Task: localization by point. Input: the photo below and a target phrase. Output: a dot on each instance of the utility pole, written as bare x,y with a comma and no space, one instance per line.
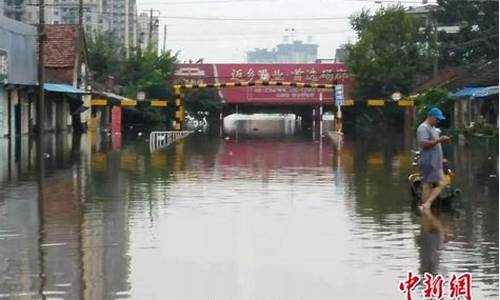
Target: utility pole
435,57
435,62
40,116
80,14
164,37
150,26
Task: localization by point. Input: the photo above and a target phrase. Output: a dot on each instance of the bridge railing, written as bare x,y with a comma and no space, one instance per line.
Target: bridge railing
162,139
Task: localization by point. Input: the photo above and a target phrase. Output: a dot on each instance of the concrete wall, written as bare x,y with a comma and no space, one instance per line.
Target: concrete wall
20,98
3,112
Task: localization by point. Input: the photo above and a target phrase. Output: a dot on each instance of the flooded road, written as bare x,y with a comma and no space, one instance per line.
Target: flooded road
265,214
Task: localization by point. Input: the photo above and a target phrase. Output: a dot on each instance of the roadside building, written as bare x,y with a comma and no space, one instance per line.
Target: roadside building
66,78
473,92
475,97
108,108
18,77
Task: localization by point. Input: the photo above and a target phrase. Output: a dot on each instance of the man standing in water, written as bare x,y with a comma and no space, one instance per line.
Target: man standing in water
431,157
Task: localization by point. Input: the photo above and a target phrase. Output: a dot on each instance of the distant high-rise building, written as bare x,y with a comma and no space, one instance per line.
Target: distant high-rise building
263,56
147,26
295,52
340,54
118,16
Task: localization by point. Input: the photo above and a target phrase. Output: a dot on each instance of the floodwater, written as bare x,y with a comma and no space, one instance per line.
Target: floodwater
271,212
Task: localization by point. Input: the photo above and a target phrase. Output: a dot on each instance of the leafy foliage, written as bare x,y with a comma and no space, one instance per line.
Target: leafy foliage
390,50
148,72
433,98
203,100
144,71
477,39
106,55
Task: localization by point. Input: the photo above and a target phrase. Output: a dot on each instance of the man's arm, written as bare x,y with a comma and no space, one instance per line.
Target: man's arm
429,143
424,141
426,144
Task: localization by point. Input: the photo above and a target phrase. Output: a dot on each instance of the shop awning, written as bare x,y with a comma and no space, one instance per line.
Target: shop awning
477,92
487,91
467,92
112,95
62,88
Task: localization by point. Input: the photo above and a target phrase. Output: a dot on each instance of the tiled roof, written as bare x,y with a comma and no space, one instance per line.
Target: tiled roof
60,46
445,76
454,78
482,75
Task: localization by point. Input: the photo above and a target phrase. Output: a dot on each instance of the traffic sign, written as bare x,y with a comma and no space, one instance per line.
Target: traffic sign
339,94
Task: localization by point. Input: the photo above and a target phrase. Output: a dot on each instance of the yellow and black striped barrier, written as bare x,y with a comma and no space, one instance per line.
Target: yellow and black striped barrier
179,96
348,102
128,102
159,103
406,102
376,102
253,83
179,108
98,102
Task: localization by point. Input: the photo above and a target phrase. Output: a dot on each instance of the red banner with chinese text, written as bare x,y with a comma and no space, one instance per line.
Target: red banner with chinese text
308,73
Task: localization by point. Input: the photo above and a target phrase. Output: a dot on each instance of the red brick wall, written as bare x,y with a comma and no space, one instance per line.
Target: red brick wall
59,75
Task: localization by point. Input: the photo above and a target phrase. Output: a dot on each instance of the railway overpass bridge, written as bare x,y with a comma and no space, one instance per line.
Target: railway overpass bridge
288,88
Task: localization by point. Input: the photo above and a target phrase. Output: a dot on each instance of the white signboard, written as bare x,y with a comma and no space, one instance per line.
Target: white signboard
339,94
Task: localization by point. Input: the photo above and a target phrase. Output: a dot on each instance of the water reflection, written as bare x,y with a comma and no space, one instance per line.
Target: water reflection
262,215
432,235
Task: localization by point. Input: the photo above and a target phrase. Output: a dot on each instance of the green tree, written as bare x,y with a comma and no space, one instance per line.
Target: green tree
149,72
206,100
477,38
434,98
389,51
141,71
105,55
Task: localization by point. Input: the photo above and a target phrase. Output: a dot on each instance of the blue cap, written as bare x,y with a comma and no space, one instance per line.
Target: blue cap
436,113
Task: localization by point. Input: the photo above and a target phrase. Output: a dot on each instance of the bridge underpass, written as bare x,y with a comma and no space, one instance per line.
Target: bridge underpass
305,90
267,88
306,113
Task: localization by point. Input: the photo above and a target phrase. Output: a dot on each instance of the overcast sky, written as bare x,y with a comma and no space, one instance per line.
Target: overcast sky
324,22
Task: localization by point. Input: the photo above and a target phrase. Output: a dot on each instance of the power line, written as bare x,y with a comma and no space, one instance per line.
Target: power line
243,37
246,1
218,18
255,19
203,2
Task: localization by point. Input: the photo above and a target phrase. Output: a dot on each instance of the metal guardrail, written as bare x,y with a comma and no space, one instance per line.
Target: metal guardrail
162,139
